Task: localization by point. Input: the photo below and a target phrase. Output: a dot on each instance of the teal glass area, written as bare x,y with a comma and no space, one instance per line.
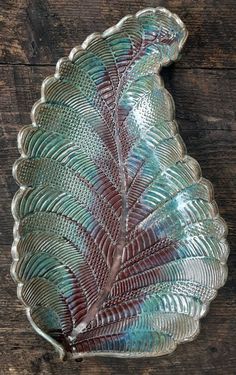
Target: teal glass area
118,243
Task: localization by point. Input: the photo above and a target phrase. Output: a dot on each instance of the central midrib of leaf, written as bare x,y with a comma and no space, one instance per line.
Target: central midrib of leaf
121,243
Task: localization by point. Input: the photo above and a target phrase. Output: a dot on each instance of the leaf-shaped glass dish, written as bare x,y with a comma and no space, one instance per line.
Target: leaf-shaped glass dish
119,247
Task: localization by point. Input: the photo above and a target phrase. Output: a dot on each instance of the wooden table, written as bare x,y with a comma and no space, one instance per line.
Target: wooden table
34,35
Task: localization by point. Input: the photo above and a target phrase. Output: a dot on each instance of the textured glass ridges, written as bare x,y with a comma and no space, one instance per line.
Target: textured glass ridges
119,247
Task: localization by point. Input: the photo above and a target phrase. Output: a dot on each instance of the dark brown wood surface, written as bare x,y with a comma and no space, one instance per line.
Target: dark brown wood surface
33,36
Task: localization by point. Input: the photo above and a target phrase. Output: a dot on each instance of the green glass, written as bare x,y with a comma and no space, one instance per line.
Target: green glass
118,243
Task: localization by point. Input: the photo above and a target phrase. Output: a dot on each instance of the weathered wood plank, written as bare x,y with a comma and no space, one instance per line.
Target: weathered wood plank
205,103
42,31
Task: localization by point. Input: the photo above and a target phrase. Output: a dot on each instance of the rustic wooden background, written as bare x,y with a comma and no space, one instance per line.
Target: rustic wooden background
34,35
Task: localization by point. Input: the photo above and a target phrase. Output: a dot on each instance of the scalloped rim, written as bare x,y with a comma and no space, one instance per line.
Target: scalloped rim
111,30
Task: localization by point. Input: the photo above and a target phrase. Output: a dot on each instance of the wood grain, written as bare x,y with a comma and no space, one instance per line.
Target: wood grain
41,31
34,35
